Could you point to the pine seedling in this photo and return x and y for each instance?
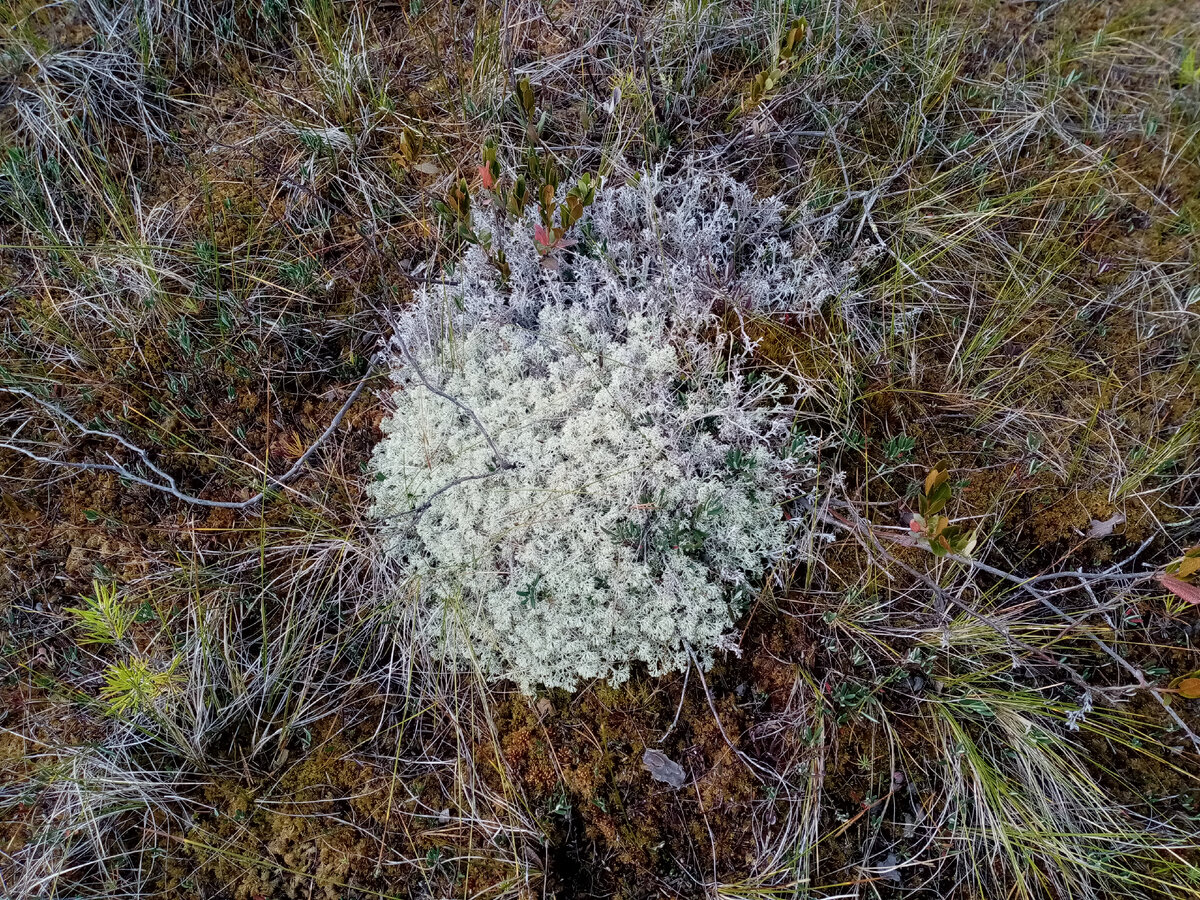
(103, 619)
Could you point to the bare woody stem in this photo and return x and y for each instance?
(166, 483)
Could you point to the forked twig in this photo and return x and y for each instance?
(168, 485)
(501, 461)
(752, 764)
(1026, 585)
(1074, 621)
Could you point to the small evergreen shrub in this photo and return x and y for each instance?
(582, 470)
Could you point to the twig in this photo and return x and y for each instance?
(679, 709)
(501, 461)
(754, 766)
(946, 597)
(1044, 599)
(419, 511)
(1026, 584)
(171, 487)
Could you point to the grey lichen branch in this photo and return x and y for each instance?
(411, 362)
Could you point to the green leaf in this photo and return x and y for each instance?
(525, 97)
(938, 499)
(977, 706)
(938, 475)
(1188, 74)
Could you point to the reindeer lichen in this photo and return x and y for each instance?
(583, 470)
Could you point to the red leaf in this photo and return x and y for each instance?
(1189, 593)
(485, 175)
(541, 235)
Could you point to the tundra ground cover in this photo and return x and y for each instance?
(216, 682)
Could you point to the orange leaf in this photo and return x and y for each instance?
(1189, 688)
(937, 475)
(1189, 593)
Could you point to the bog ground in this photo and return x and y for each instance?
(974, 676)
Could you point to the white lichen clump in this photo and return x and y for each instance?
(582, 469)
